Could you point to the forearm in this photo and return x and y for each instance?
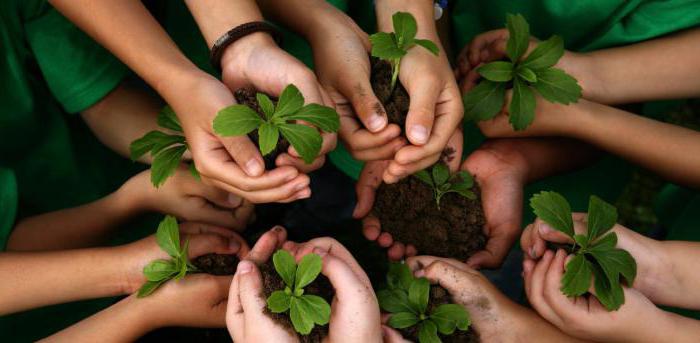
(216, 17)
(422, 11)
(303, 16)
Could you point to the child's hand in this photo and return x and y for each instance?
(188, 199)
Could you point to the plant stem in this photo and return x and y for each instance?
(395, 74)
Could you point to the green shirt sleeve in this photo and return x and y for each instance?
(78, 71)
(8, 205)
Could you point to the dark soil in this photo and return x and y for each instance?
(440, 296)
(246, 96)
(216, 264)
(407, 210)
(321, 287)
(396, 102)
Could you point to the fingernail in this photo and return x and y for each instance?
(278, 229)
(234, 200)
(253, 167)
(376, 122)
(419, 273)
(527, 267)
(320, 252)
(244, 267)
(233, 245)
(419, 133)
(545, 229)
(532, 253)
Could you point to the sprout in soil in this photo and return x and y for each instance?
(441, 182)
(305, 310)
(526, 75)
(392, 46)
(239, 120)
(595, 254)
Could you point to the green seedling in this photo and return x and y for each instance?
(239, 120)
(165, 148)
(406, 299)
(526, 75)
(392, 46)
(305, 310)
(160, 271)
(595, 255)
(441, 182)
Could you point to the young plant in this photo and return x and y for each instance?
(305, 310)
(595, 255)
(159, 271)
(441, 182)
(526, 75)
(166, 149)
(239, 120)
(392, 46)
(406, 299)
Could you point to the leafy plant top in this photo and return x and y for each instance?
(239, 120)
(165, 148)
(441, 182)
(526, 75)
(595, 255)
(159, 271)
(393, 46)
(406, 299)
(305, 310)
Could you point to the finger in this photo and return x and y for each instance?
(332, 247)
(235, 318)
(421, 262)
(286, 159)
(531, 243)
(201, 228)
(382, 152)
(421, 110)
(267, 244)
(537, 285)
(200, 210)
(482, 41)
(365, 103)
(278, 194)
(385, 240)
(211, 244)
(547, 233)
(328, 144)
(243, 215)
(397, 251)
(350, 289)
(366, 187)
(251, 295)
(371, 228)
(395, 171)
(411, 250)
(392, 336)
(245, 153)
(557, 301)
(495, 251)
(358, 138)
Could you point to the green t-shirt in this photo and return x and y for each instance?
(8, 204)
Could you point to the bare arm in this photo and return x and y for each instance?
(684, 258)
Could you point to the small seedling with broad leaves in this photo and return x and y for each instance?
(526, 75)
(159, 271)
(305, 310)
(407, 298)
(441, 182)
(595, 254)
(166, 149)
(393, 46)
(239, 120)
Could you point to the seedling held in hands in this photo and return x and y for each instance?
(595, 255)
(392, 46)
(166, 149)
(305, 310)
(527, 75)
(239, 120)
(407, 298)
(160, 271)
(442, 183)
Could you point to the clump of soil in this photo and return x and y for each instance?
(395, 103)
(216, 264)
(321, 287)
(246, 96)
(440, 296)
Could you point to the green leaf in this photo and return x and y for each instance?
(428, 332)
(168, 236)
(266, 105)
(154, 141)
(428, 44)
(498, 71)
(577, 277)
(168, 119)
(393, 300)
(300, 320)
(384, 46)
(159, 270)
(316, 308)
(522, 105)
(447, 317)
(463, 192)
(279, 302)
(405, 28)
(399, 276)
(181, 265)
(402, 320)
(418, 294)
(236, 120)
(546, 54)
(606, 242)
(556, 85)
(285, 266)
(268, 135)
(149, 287)
(581, 240)
(424, 176)
(601, 217)
(554, 210)
(194, 172)
(608, 292)
(485, 100)
(290, 101)
(527, 74)
(323, 117)
(616, 262)
(440, 174)
(306, 140)
(519, 39)
(165, 164)
(308, 269)
(464, 177)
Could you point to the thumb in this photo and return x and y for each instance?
(365, 103)
(392, 336)
(250, 293)
(549, 234)
(499, 243)
(421, 110)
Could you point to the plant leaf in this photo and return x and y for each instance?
(606, 242)
(581, 240)
(465, 178)
(300, 320)
(279, 302)
(268, 135)
(485, 100)
(165, 163)
(159, 270)
(440, 174)
(616, 262)
(149, 287)
(168, 236)
(308, 269)
(428, 332)
(323, 117)
(554, 210)
(393, 300)
(306, 140)
(601, 217)
(546, 54)
(194, 172)
(154, 141)
(418, 294)
(577, 277)
(316, 308)
(290, 101)
(522, 105)
(402, 320)
(168, 119)
(519, 39)
(405, 28)
(465, 192)
(499, 71)
(608, 292)
(399, 276)
(236, 120)
(447, 317)
(285, 266)
(527, 74)
(556, 85)
(384, 46)
(424, 176)
(266, 105)
(428, 44)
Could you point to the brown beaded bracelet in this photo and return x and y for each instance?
(236, 33)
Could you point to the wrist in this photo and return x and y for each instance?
(585, 68)
(132, 197)
(422, 11)
(236, 55)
